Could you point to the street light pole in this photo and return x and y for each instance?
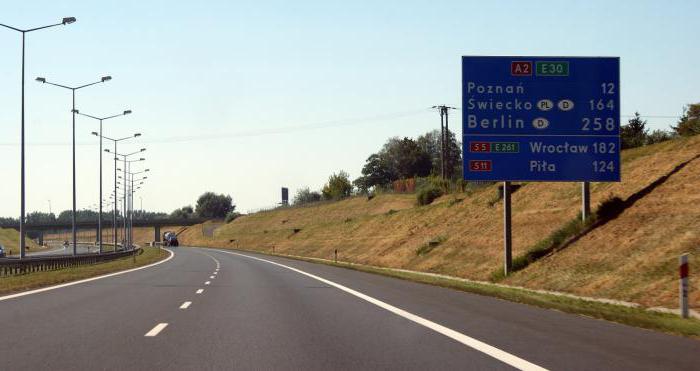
(116, 203)
(74, 111)
(132, 190)
(126, 163)
(99, 221)
(65, 21)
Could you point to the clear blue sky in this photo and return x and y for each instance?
(243, 97)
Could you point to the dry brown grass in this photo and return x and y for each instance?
(9, 238)
(368, 232)
(633, 257)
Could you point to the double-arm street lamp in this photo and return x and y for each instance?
(100, 119)
(65, 21)
(117, 140)
(133, 186)
(74, 111)
(126, 164)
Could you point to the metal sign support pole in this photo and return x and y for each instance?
(507, 235)
(585, 201)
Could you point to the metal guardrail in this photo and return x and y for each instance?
(16, 266)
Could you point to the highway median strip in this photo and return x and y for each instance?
(36, 282)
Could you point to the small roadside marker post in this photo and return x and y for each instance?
(683, 270)
(336, 255)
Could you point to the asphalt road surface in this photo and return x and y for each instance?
(209, 309)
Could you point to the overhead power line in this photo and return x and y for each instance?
(261, 132)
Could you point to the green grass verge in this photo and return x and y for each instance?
(638, 317)
(13, 284)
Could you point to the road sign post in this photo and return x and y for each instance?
(507, 232)
(541, 119)
(585, 201)
(683, 270)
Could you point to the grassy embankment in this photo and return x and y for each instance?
(35, 280)
(631, 258)
(9, 238)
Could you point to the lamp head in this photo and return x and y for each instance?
(143, 149)
(137, 135)
(107, 150)
(106, 78)
(127, 112)
(41, 80)
(95, 134)
(68, 20)
(142, 159)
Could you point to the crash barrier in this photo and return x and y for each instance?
(16, 266)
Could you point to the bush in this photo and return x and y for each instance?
(231, 216)
(184, 212)
(338, 186)
(658, 136)
(689, 123)
(211, 205)
(306, 196)
(427, 194)
(610, 208)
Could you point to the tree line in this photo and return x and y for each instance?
(635, 132)
(405, 158)
(85, 215)
(398, 158)
(209, 205)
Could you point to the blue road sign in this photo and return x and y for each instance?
(541, 118)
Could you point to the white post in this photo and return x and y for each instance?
(683, 270)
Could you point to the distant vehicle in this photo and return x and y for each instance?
(170, 239)
(2, 252)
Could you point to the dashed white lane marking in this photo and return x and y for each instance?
(208, 282)
(475, 344)
(186, 305)
(218, 264)
(199, 291)
(156, 330)
(85, 280)
(216, 272)
(211, 277)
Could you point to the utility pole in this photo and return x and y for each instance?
(444, 138)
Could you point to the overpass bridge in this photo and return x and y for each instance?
(156, 224)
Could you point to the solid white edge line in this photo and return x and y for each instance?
(199, 291)
(475, 344)
(186, 305)
(156, 330)
(36, 291)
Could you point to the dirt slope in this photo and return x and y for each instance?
(635, 256)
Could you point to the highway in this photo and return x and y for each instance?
(210, 309)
